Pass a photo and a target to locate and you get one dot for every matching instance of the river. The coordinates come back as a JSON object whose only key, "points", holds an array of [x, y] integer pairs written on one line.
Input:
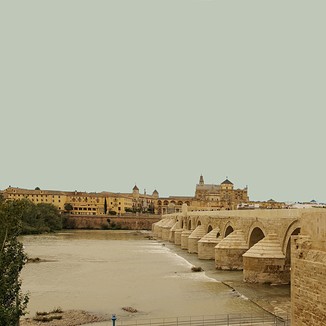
{"points": [[103, 271]]}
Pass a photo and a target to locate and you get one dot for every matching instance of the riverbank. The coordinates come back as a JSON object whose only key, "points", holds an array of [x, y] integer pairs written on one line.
{"points": [[273, 299]]}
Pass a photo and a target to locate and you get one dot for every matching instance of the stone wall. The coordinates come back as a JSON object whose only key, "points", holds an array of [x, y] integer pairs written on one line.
{"points": [[265, 270], [308, 272], [128, 223]]}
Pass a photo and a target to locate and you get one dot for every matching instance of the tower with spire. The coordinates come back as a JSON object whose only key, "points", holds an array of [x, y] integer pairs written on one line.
{"points": [[201, 180], [135, 192]]}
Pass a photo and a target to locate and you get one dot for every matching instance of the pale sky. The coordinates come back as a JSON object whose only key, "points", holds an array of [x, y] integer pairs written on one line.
{"points": [[100, 95]]}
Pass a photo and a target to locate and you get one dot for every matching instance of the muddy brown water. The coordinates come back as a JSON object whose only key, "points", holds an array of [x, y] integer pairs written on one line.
{"points": [[103, 271]]}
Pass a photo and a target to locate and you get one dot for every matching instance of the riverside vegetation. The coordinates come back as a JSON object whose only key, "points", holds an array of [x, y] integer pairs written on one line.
{"points": [[19, 217], [23, 217]]}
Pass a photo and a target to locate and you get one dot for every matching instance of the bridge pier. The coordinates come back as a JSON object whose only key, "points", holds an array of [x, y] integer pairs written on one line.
{"points": [[166, 229], [194, 237], [172, 232], [184, 239], [265, 262], [177, 236], [157, 228], [207, 244], [228, 253]]}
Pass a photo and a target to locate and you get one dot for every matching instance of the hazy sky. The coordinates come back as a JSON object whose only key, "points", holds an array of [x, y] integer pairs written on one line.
{"points": [[100, 95]]}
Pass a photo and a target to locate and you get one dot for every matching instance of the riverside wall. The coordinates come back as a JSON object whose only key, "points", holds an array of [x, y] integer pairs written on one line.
{"points": [[101, 222]]}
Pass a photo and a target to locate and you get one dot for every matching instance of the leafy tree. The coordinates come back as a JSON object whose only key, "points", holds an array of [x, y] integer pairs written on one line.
{"points": [[68, 207], [38, 218], [68, 223], [50, 215], [31, 221], [13, 302]]}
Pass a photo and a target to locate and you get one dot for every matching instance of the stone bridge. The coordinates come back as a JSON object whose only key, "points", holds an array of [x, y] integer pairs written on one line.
{"points": [[255, 241]]}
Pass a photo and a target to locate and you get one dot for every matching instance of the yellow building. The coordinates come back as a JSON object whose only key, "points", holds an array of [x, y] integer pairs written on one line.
{"points": [[57, 198], [74, 202], [118, 203], [208, 197]]}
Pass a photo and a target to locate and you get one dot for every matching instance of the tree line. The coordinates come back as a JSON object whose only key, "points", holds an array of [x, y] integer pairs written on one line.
{"points": [[36, 218], [19, 217], [13, 302]]}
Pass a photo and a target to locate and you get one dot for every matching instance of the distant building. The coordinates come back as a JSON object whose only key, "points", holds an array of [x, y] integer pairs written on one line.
{"points": [[208, 197], [74, 202]]}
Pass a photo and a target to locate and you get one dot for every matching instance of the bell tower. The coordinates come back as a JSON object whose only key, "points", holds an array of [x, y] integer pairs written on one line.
{"points": [[201, 180], [135, 192]]}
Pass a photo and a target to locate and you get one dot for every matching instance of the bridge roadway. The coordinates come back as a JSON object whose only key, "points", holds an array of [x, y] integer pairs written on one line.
{"points": [[255, 241]]}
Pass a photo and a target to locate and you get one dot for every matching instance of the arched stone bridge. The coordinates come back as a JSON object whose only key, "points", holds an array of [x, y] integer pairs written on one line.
{"points": [[255, 241]]}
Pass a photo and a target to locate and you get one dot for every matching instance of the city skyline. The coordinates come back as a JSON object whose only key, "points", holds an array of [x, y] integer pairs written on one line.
{"points": [[102, 96], [145, 191]]}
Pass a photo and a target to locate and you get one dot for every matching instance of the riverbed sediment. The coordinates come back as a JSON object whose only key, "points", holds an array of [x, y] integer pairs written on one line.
{"points": [[63, 318]]}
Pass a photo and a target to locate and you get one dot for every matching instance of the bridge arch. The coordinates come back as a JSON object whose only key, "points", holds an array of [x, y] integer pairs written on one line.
{"points": [[189, 224], [228, 229], [209, 228], [181, 221], [289, 232], [256, 233], [293, 229], [198, 222]]}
